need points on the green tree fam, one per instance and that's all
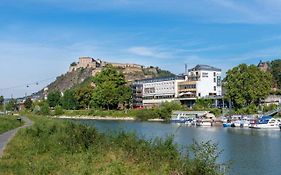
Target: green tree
(68, 100)
(28, 103)
(202, 104)
(12, 105)
(83, 95)
(111, 89)
(245, 85)
(54, 98)
(165, 109)
(1, 100)
(125, 96)
(275, 68)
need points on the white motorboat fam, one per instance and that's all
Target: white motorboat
(271, 124)
(204, 122)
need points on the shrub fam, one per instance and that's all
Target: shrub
(145, 114)
(58, 147)
(36, 109)
(45, 109)
(205, 155)
(58, 110)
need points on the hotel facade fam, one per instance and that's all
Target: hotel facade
(202, 81)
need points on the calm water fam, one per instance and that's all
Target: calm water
(251, 151)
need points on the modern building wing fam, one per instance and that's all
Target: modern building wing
(202, 81)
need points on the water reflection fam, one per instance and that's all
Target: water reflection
(255, 132)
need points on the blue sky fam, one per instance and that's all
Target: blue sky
(40, 38)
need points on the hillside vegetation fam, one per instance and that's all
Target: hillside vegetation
(83, 77)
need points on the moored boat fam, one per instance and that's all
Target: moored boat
(271, 123)
(204, 122)
(227, 124)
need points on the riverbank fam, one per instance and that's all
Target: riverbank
(94, 117)
(105, 118)
(9, 122)
(53, 146)
(7, 136)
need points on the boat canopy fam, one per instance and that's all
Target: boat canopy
(264, 119)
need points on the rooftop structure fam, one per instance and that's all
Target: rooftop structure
(202, 67)
(263, 66)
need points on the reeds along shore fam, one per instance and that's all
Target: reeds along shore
(54, 146)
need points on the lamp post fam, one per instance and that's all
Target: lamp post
(4, 107)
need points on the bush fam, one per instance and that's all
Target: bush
(205, 155)
(215, 111)
(58, 110)
(251, 109)
(58, 147)
(145, 114)
(9, 122)
(45, 109)
(36, 109)
(269, 107)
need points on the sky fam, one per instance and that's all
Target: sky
(40, 38)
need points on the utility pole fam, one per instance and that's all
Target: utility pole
(4, 107)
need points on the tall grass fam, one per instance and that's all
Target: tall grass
(59, 147)
(9, 122)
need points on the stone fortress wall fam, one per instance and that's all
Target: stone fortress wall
(97, 64)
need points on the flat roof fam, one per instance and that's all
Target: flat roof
(151, 80)
(204, 67)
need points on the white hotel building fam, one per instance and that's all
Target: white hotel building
(159, 90)
(199, 82)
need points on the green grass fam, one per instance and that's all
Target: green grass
(8, 122)
(61, 147)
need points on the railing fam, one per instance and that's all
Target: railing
(273, 112)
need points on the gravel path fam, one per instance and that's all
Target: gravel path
(7, 136)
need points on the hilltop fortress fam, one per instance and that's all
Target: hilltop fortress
(97, 65)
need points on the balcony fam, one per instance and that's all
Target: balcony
(193, 77)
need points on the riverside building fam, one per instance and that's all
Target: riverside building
(202, 81)
(155, 91)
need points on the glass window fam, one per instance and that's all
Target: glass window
(205, 74)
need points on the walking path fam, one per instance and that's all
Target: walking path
(7, 136)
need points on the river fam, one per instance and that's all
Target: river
(251, 151)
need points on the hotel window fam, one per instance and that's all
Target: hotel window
(214, 80)
(204, 74)
(214, 74)
(215, 88)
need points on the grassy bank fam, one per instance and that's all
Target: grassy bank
(8, 122)
(101, 113)
(59, 147)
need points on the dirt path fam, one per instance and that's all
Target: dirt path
(7, 136)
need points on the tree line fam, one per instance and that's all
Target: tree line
(245, 87)
(107, 90)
